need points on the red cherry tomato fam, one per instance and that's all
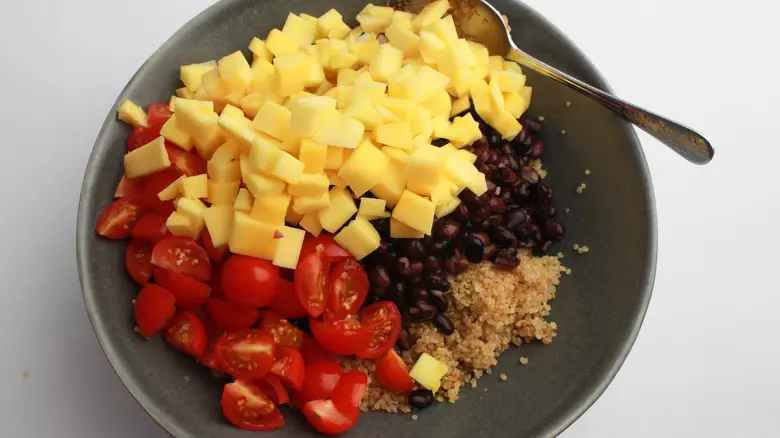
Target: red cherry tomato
(312, 351)
(138, 260)
(231, 316)
(326, 418)
(282, 330)
(347, 336)
(217, 255)
(249, 281)
(246, 354)
(286, 303)
(143, 135)
(153, 308)
(187, 333)
(247, 407)
(324, 244)
(188, 291)
(216, 282)
(118, 219)
(320, 378)
(186, 163)
(350, 390)
(311, 284)
(393, 374)
(289, 366)
(273, 388)
(383, 320)
(213, 334)
(183, 256)
(129, 187)
(150, 227)
(158, 113)
(348, 289)
(153, 185)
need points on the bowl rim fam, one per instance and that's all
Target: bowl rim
(172, 427)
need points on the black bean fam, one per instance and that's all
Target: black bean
(379, 275)
(516, 218)
(397, 292)
(382, 226)
(456, 264)
(504, 236)
(438, 246)
(449, 229)
(379, 291)
(469, 198)
(545, 212)
(537, 149)
(521, 192)
(482, 142)
(422, 311)
(554, 229)
(506, 260)
(529, 231)
(415, 280)
(533, 125)
(418, 292)
(495, 220)
(490, 252)
(480, 214)
(403, 266)
(439, 282)
(421, 398)
(432, 264)
(543, 249)
(474, 248)
(383, 249)
(496, 205)
(484, 225)
(508, 176)
(542, 193)
(483, 237)
(404, 341)
(443, 324)
(439, 300)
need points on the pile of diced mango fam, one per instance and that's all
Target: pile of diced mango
(325, 115)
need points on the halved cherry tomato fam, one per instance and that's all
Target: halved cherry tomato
(383, 320)
(153, 308)
(312, 351)
(186, 163)
(138, 260)
(187, 333)
(150, 227)
(118, 219)
(311, 283)
(350, 390)
(142, 135)
(289, 366)
(347, 336)
(247, 407)
(183, 256)
(231, 316)
(213, 334)
(249, 281)
(287, 274)
(324, 244)
(320, 378)
(286, 303)
(158, 113)
(188, 291)
(393, 374)
(217, 255)
(282, 330)
(129, 187)
(216, 281)
(246, 354)
(326, 418)
(348, 289)
(153, 185)
(274, 389)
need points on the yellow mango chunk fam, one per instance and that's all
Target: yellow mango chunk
(172, 191)
(273, 119)
(148, 159)
(339, 130)
(398, 134)
(252, 238)
(507, 125)
(515, 104)
(431, 12)
(271, 209)
(399, 230)
(360, 238)
(222, 193)
(445, 209)
(287, 168)
(293, 72)
(174, 133)
(180, 224)
(372, 208)
(264, 154)
(305, 204)
(392, 184)
(300, 29)
(328, 21)
(428, 372)
(309, 113)
(280, 43)
(192, 75)
(341, 208)
(310, 185)
(310, 223)
(224, 172)
(219, 222)
(260, 50)
(261, 185)
(415, 211)
(244, 201)
(289, 249)
(459, 106)
(364, 168)
(235, 72)
(195, 187)
(396, 154)
(132, 114)
(225, 153)
(424, 170)
(385, 62)
(403, 38)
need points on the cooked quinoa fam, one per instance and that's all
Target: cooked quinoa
(490, 309)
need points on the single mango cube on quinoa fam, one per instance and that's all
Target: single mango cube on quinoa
(428, 372)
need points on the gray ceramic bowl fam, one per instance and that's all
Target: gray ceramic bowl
(599, 308)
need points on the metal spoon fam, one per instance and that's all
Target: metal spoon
(479, 21)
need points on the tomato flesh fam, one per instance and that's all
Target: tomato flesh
(383, 320)
(286, 303)
(246, 406)
(153, 185)
(312, 351)
(188, 291)
(117, 220)
(348, 289)
(185, 163)
(350, 390)
(129, 187)
(311, 283)
(150, 227)
(187, 333)
(183, 256)
(246, 354)
(142, 135)
(138, 260)
(393, 374)
(289, 366)
(344, 337)
(324, 416)
(274, 389)
(249, 281)
(158, 113)
(153, 308)
(231, 316)
(320, 378)
(325, 245)
(283, 331)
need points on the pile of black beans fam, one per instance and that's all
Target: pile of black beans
(515, 213)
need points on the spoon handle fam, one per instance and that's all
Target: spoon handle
(686, 142)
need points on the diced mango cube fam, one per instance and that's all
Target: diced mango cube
(372, 208)
(219, 222)
(280, 43)
(195, 187)
(392, 185)
(235, 72)
(192, 75)
(424, 170)
(328, 21)
(364, 168)
(171, 192)
(415, 211)
(302, 30)
(260, 50)
(289, 249)
(287, 168)
(515, 104)
(334, 157)
(244, 201)
(339, 130)
(340, 30)
(271, 209)
(460, 105)
(478, 185)
(308, 114)
(224, 172)
(465, 130)
(459, 171)
(226, 153)
(310, 223)
(222, 193)
(264, 154)
(440, 104)
(262, 185)
(396, 154)
(333, 178)
(174, 133)
(360, 238)
(273, 119)
(180, 224)
(305, 204)
(507, 125)
(385, 62)
(445, 209)
(341, 208)
(293, 72)
(148, 159)
(402, 38)
(310, 185)
(399, 230)
(397, 134)
(431, 12)
(428, 372)
(252, 238)
(132, 114)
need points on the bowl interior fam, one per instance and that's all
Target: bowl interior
(599, 307)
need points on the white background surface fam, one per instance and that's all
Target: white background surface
(705, 363)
